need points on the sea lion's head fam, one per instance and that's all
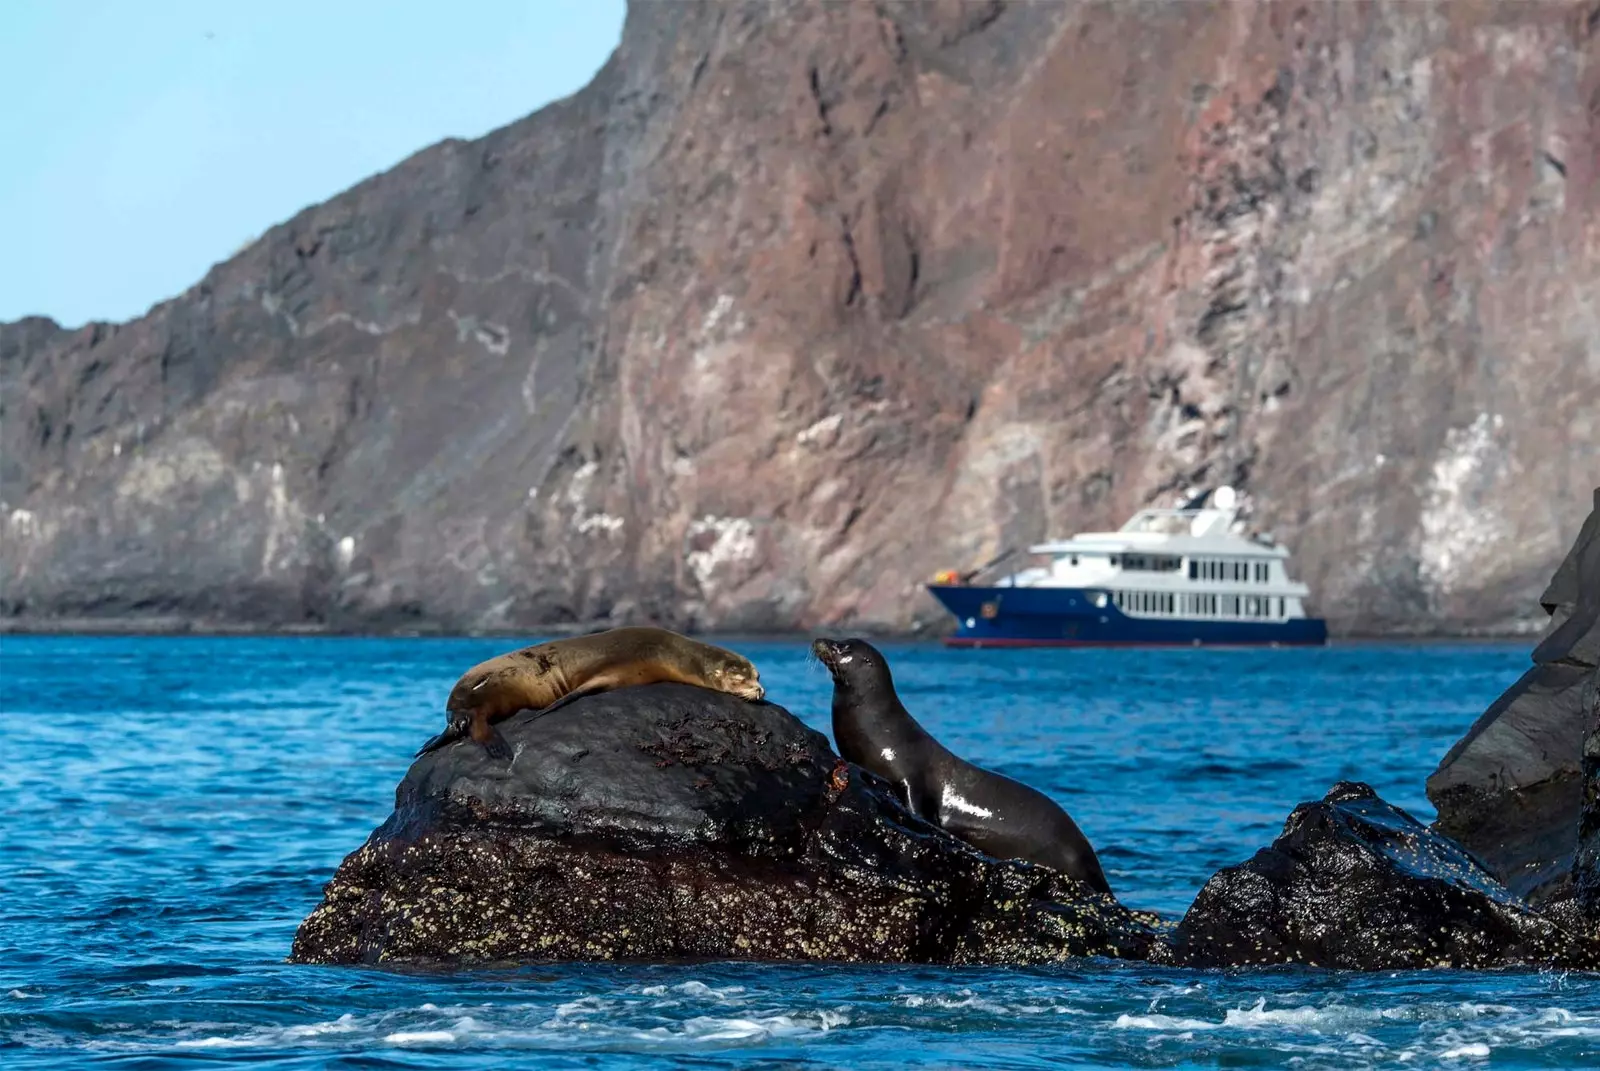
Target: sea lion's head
(736, 675)
(856, 665)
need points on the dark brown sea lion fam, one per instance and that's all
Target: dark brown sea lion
(549, 675)
(993, 813)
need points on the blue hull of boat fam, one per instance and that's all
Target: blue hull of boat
(1067, 617)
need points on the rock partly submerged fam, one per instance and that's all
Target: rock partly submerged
(668, 822)
(1357, 883)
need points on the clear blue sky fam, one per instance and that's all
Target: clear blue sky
(142, 142)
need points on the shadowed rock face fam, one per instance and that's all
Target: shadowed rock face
(798, 303)
(669, 822)
(1512, 788)
(1356, 883)
(1586, 858)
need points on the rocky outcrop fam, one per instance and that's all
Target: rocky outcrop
(798, 303)
(1355, 883)
(1512, 788)
(671, 822)
(1586, 858)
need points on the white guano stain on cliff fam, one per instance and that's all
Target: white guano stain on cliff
(345, 553)
(599, 522)
(734, 540)
(578, 487)
(1457, 527)
(583, 521)
(822, 429)
(496, 338)
(278, 516)
(715, 315)
(153, 477)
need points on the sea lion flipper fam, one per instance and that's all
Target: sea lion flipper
(497, 746)
(586, 690)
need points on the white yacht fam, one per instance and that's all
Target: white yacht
(1191, 575)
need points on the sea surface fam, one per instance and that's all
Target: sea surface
(170, 808)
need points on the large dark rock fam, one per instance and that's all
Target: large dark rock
(1586, 859)
(1356, 883)
(670, 822)
(1511, 789)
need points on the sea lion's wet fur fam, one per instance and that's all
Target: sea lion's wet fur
(548, 675)
(995, 814)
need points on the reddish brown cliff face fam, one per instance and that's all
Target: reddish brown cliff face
(796, 304)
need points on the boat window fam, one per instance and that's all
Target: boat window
(1073, 560)
(1151, 563)
(1194, 569)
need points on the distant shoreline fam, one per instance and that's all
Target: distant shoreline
(154, 627)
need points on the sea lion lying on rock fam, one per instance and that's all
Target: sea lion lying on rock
(553, 674)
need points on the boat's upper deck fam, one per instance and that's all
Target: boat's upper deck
(1198, 548)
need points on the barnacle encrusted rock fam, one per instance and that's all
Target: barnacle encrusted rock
(669, 822)
(1356, 883)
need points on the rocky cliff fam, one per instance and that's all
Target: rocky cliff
(795, 304)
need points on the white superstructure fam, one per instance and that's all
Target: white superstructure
(1197, 561)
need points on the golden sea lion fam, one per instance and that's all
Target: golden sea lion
(548, 675)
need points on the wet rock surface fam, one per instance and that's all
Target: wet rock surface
(1356, 883)
(1512, 789)
(1586, 857)
(668, 822)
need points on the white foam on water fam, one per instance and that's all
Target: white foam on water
(1161, 1022)
(1260, 1015)
(962, 1000)
(421, 1037)
(696, 1017)
(700, 989)
(1256, 1017)
(17, 994)
(216, 1043)
(1477, 1048)
(345, 1024)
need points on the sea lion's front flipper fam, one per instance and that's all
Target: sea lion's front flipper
(592, 688)
(497, 745)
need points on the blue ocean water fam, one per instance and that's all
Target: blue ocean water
(169, 810)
